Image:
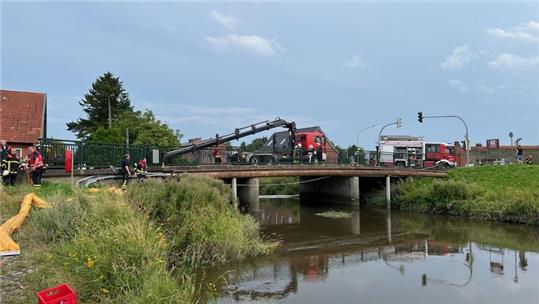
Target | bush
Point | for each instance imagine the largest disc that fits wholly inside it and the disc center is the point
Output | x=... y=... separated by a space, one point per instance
x=105 y=250
x=199 y=221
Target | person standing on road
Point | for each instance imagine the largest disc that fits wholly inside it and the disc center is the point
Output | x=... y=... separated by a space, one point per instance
x=124 y=171
x=520 y=154
x=35 y=165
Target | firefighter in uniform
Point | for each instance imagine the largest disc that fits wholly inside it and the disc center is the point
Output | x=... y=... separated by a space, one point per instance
x=140 y=169
x=36 y=166
x=10 y=167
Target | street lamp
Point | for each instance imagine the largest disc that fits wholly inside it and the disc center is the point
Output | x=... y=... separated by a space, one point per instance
x=379 y=153
x=361 y=131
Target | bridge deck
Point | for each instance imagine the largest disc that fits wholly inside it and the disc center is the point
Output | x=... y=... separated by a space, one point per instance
x=224 y=171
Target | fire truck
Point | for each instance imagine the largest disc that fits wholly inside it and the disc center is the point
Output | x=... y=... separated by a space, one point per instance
x=413 y=151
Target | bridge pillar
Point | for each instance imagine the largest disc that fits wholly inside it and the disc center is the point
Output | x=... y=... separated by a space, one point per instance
x=248 y=193
x=235 y=192
x=336 y=187
x=388 y=191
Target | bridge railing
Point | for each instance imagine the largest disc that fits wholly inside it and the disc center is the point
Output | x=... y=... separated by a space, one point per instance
x=104 y=155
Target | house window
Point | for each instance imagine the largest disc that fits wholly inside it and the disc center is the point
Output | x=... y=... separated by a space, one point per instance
x=19 y=152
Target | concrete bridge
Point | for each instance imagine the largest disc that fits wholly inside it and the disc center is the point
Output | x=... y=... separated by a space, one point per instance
x=336 y=181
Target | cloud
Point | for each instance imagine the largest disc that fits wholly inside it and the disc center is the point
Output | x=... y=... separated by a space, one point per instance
x=458 y=58
x=252 y=43
x=228 y=21
x=355 y=62
x=458 y=85
x=485 y=89
x=507 y=62
x=527 y=32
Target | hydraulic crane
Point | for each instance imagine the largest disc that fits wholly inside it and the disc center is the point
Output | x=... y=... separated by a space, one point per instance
x=237 y=134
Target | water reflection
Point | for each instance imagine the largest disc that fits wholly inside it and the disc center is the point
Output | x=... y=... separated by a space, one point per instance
x=381 y=257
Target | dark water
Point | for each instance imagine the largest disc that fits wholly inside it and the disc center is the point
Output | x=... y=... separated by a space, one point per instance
x=376 y=257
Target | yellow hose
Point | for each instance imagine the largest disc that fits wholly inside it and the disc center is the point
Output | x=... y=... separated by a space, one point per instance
x=7 y=245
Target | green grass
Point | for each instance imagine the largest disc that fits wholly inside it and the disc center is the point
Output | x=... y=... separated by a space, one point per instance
x=334 y=214
x=146 y=246
x=498 y=193
x=279 y=185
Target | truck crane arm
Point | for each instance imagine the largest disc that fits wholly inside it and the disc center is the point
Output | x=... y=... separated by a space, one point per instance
x=237 y=134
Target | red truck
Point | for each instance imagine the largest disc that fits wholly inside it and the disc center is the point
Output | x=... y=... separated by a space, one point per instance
x=411 y=151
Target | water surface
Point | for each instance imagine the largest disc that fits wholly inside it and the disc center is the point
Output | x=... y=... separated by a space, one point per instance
x=376 y=257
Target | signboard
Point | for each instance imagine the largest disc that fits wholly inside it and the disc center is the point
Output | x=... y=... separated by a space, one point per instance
x=493 y=143
x=155 y=156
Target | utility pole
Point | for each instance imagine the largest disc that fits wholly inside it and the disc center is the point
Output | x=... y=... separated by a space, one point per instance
x=110 y=115
x=420 y=118
x=379 y=154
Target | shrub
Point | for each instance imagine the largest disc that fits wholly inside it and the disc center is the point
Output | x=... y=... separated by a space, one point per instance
x=199 y=221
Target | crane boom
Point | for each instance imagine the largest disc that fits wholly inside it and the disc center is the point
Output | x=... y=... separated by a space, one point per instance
x=237 y=134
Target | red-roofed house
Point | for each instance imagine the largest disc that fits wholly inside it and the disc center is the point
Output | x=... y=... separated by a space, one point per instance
x=23 y=118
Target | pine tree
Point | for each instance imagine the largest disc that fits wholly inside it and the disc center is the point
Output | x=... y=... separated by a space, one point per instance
x=95 y=103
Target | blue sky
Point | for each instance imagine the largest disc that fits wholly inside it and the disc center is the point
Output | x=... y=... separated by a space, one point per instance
x=208 y=68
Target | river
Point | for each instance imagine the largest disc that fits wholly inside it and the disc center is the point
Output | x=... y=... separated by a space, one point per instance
x=374 y=256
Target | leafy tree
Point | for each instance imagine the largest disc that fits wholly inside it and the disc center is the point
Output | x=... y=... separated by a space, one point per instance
x=256 y=144
x=152 y=131
x=243 y=146
x=106 y=89
x=110 y=136
x=143 y=128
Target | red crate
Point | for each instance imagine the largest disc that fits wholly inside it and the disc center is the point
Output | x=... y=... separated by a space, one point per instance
x=61 y=294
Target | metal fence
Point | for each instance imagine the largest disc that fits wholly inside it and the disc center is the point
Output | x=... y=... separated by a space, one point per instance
x=103 y=155
x=96 y=155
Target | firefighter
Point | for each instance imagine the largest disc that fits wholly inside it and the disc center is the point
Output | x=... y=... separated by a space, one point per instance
x=140 y=169
x=217 y=156
x=297 y=153
x=10 y=166
x=3 y=153
x=319 y=155
x=35 y=165
x=310 y=153
x=124 y=170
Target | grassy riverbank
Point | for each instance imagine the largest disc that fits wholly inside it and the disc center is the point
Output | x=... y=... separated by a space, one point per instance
x=145 y=246
x=498 y=193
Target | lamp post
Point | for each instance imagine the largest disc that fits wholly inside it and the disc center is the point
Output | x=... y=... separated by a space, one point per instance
x=511 y=136
x=357 y=140
x=379 y=153
x=361 y=131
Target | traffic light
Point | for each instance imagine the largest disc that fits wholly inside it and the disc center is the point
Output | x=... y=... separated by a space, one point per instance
x=420 y=117
x=464 y=144
x=399 y=122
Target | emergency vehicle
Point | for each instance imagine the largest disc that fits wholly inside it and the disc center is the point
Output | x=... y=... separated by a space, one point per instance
x=413 y=151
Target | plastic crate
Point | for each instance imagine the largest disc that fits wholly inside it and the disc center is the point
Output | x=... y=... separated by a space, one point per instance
x=61 y=294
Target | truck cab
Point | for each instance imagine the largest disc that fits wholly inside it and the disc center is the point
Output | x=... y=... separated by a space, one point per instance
x=439 y=155
x=311 y=139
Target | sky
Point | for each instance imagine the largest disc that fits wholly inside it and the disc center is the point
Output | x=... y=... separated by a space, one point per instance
x=208 y=68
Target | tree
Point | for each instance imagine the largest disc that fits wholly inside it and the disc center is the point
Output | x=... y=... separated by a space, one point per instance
x=106 y=89
x=144 y=129
x=256 y=144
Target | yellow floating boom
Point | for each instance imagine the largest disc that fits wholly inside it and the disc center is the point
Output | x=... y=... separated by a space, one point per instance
x=7 y=245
